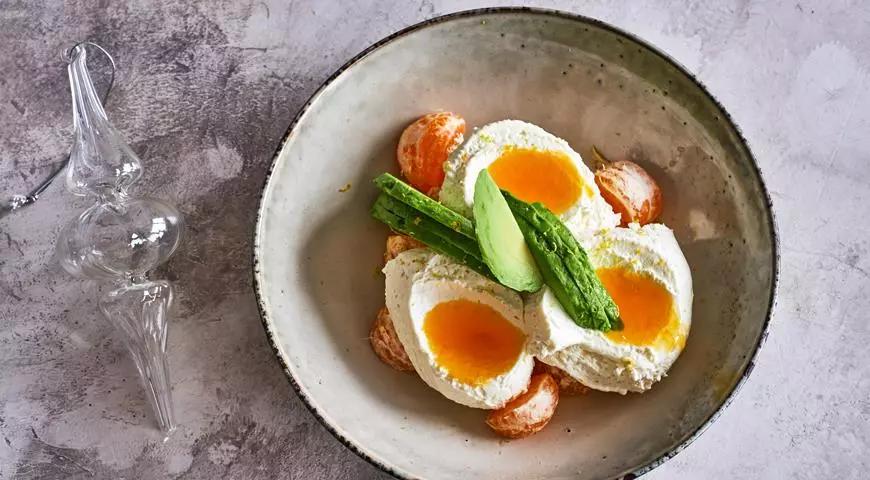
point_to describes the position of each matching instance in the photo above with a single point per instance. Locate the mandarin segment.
(424, 147)
(568, 385)
(631, 191)
(386, 345)
(397, 244)
(530, 412)
(385, 342)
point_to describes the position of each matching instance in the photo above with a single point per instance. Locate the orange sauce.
(646, 308)
(472, 341)
(538, 176)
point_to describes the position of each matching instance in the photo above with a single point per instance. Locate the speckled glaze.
(317, 251)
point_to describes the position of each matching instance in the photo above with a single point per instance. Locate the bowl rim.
(746, 370)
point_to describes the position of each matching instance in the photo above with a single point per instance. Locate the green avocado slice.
(501, 241)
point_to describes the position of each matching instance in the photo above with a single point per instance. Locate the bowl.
(317, 251)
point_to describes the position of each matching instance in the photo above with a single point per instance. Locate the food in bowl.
(644, 271)
(442, 311)
(532, 164)
(530, 276)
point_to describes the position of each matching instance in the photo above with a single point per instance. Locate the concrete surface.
(204, 93)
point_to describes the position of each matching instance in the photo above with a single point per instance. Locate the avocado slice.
(501, 241)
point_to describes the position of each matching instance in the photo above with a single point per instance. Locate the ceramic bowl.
(318, 252)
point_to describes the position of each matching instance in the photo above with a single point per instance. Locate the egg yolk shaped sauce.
(542, 176)
(645, 307)
(472, 341)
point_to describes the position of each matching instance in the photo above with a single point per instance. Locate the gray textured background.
(205, 92)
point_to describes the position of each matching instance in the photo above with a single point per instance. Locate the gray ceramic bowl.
(317, 251)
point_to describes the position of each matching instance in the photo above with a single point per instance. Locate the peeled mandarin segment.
(385, 342)
(568, 385)
(397, 244)
(425, 146)
(631, 191)
(386, 345)
(540, 367)
(530, 412)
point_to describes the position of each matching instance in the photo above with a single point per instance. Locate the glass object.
(120, 238)
(19, 201)
(101, 162)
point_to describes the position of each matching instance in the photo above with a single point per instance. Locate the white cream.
(590, 356)
(418, 280)
(589, 213)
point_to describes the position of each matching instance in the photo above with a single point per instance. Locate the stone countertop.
(205, 93)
